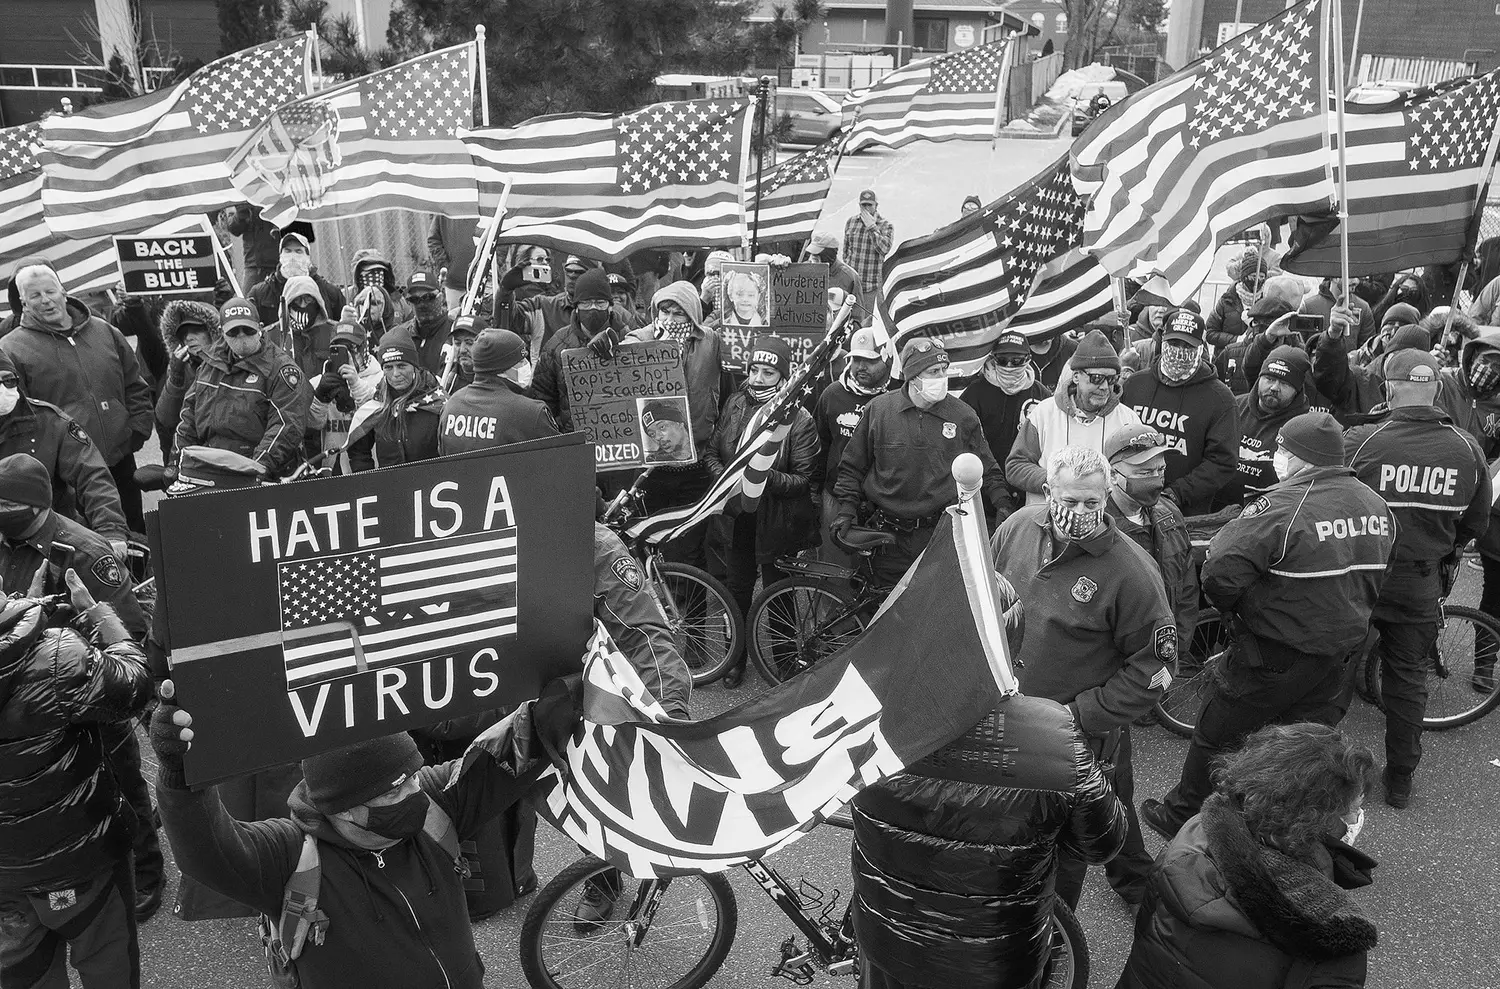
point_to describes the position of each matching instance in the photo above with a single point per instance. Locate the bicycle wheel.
(798, 621)
(1183, 701)
(1461, 685)
(709, 629)
(679, 945)
(1068, 966)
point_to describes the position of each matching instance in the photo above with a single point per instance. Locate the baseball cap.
(618, 282)
(575, 263)
(1411, 365)
(1184, 324)
(822, 241)
(867, 196)
(239, 312)
(350, 332)
(863, 343)
(1133, 445)
(294, 238)
(421, 280)
(1014, 344)
(469, 325)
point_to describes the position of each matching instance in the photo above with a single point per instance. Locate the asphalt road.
(1435, 894)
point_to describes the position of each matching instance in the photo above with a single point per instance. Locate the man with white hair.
(67, 356)
(1100, 635)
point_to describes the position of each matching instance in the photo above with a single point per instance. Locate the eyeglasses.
(1101, 377)
(1143, 472)
(1012, 361)
(592, 304)
(242, 331)
(417, 300)
(9, 381)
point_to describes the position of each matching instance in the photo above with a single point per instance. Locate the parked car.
(1092, 99)
(815, 116)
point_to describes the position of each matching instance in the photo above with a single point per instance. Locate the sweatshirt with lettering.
(1202, 429)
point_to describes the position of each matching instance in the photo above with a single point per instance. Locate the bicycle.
(817, 610)
(709, 629)
(675, 933)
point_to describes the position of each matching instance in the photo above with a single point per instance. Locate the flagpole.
(226, 264)
(484, 78)
(762, 96)
(1337, 39)
(1002, 83)
(1359, 21)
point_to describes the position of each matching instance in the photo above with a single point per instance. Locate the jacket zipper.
(446, 981)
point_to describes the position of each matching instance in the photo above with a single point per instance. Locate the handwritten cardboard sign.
(797, 301)
(633, 406)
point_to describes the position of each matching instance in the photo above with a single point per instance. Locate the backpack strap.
(301, 919)
(439, 827)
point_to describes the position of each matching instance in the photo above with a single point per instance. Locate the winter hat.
(1412, 364)
(496, 351)
(1408, 337)
(773, 352)
(357, 773)
(398, 347)
(715, 259)
(685, 296)
(1270, 309)
(920, 354)
(1095, 352)
(1289, 364)
(592, 286)
(1247, 262)
(24, 480)
(1402, 314)
(662, 411)
(1315, 437)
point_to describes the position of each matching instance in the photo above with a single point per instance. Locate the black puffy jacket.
(954, 859)
(58, 685)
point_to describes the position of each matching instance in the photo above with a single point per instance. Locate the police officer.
(1297, 576)
(1434, 478)
(899, 460)
(1099, 633)
(493, 411)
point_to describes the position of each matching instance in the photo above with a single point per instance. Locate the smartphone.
(540, 274)
(59, 562)
(338, 356)
(1308, 325)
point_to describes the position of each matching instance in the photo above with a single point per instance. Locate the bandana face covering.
(762, 394)
(1484, 376)
(299, 317)
(1073, 524)
(295, 264)
(673, 327)
(371, 275)
(1011, 380)
(1178, 363)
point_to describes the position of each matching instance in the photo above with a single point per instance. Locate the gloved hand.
(841, 525)
(1450, 566)
(328, 386)
(514, 278)
(556, 714)
(171, 731)
(138, 440)
(604, 342)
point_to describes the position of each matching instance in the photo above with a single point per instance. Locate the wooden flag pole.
(484, 78)
(1337, 39)
(762, 97)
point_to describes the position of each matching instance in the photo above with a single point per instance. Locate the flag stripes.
(948, 98)
(795, 192)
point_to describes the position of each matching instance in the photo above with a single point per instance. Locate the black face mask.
(593, 320)
(16, 521)
(402, 819)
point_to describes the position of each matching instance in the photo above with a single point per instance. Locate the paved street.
(1435, 895)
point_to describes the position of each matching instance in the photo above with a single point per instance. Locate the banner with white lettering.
(168, 265)
(659, 797)
(307, 616)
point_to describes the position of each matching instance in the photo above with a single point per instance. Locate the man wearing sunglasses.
(249, 396)
(432, 326)
(1006, 388)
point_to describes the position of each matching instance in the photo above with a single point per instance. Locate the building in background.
(1049, 17)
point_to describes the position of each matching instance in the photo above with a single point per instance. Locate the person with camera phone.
(348, 380)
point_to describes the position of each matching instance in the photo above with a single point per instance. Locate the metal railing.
(43, 78)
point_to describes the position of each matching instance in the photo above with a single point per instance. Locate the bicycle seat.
(861, 540)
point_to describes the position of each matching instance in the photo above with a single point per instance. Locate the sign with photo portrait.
(630, 405)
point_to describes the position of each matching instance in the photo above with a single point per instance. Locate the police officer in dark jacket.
(1434, 478)
(900, 457)
(1297, 575)
(493, 411)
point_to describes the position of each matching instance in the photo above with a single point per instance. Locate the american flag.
(1235, 139)
(794, 194)
(124, 166)
(949, 98)
(350, 612)
(82, 264)
(972, 279)
(388, 140)
(745, 476)
(667, 174)
(1415, 169)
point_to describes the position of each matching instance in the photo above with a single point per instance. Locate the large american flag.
(388, 140)
(1415, 169)
(948, 98)
(350, 612)
(1235, 139)
(123, 166)
(82, 264)
(1014, 264)
(792, 194)
(664, 175)
(745, 476)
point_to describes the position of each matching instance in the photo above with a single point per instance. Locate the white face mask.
(932, 389)
(295, 264)
(1282, 463)
(1355, 827)
(8, 399)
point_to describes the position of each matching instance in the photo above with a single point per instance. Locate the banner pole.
(762, 94)
(1002, 86)
(226, 263)
(484, 77)
(1337, 39)
(1359, 21)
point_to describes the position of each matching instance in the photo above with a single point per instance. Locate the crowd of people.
(1341, 442)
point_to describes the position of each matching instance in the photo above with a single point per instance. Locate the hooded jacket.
(1479, 416)
(702, 359)
(399, 911)
(1198, 419)
(180, 373)
(1223, 911)
(60, 808)
(398, 311)
(267, 295)
(255, 406)
(955, 857)
(309, 346)
(81, 482)
(89, 371)
(1049, 426)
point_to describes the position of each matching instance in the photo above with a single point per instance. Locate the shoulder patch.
(1255, 507)
(108, 572)
(78, 433)
(291, 375)
(1165, 645)
(628, 572)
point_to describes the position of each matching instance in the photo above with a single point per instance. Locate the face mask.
(593, 320)
(1484, 376)
(932, 390)
(1144, 491)
(1011, 380)
(1281, 463)
(294, 264)
(762, 393)
(1074, 524)
(399, 820)
(300, 317)
(16, 521)
(672, 327)
(372, 276)
(8, 399)
(1178, 363)
(1358, 825)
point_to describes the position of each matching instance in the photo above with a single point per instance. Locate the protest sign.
(167, 265)
(633, 405)
(797, 303)
(307, 616)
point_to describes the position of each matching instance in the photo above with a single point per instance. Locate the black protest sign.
(167, 265)
(798, 305)
(631, 406)
(307, 616)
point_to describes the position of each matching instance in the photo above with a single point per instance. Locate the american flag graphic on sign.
(351, 612)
